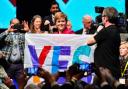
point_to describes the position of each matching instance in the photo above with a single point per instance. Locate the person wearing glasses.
(88, 26)
(108, 42)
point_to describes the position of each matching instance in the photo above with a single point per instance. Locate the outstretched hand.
(25, 25)
(49, 78)
(1, 54)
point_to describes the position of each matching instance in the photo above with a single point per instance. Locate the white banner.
(56, 52)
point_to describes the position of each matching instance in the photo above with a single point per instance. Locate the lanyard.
(125, 69)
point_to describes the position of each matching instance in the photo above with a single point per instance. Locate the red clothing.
(66, 31)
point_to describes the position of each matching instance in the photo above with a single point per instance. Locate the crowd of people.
(110, 56)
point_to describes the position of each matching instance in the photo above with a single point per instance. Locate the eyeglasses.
(88, 22)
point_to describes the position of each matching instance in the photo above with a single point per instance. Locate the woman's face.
(123, 50)
(61, 24)
(37, 23)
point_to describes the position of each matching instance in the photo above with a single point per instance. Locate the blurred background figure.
(124, 61)
(5, 81)
(88, 26)
(69, 24)
(32, 86)
(108, 81)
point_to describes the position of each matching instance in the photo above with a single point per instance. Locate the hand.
(46, 22)
(25, 24)
(10, 29)
(46, 75)
(1, 54)
(78, 76)
(106, 75)
(109, 75)
(102, 74)
(53, 29)
(8, 81)
(56, 76)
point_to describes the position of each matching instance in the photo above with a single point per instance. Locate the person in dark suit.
(88, 24)
(50, 18)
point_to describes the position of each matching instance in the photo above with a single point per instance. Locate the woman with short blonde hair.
(61, 24)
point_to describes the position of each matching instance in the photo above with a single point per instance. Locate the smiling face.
(60, 21)
(61, 24)
(37, 23)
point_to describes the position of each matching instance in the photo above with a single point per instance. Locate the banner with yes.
(55, 52)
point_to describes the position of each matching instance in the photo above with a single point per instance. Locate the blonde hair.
(59, 15)
(125, 44)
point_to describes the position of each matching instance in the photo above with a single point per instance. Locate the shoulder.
(47, 17)
(112, 28)
(79, 31)
(113, 31)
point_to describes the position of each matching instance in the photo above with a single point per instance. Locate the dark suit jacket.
(49, 18)
(89, 31)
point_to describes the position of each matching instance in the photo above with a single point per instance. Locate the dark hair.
(74, 69)
(53, 3)
(67, 86)
(111, 13)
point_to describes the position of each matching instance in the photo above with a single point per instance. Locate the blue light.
(7, 12)
(76, 9)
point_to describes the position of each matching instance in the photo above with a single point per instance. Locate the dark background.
(26, 9)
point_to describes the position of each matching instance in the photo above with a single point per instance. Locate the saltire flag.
(56, 52)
